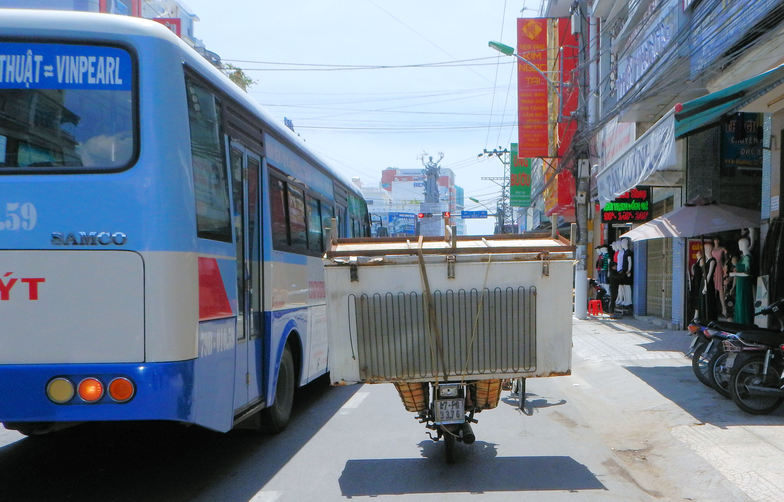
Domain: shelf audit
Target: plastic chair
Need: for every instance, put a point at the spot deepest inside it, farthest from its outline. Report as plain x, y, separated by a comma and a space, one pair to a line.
595, 307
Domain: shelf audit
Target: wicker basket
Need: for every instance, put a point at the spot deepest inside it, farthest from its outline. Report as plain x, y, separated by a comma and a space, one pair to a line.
413, 394
488, 392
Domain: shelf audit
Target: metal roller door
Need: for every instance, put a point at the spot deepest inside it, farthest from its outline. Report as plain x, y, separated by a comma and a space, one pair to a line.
659, 301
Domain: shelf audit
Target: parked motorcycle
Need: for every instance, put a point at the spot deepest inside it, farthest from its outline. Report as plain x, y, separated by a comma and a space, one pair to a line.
707, 351
697, 350
711, 360
755, 363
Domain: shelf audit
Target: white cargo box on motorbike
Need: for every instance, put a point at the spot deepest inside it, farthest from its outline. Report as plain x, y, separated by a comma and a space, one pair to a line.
471, 308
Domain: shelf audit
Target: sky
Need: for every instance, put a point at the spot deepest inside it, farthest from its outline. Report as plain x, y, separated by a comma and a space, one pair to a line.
453, 95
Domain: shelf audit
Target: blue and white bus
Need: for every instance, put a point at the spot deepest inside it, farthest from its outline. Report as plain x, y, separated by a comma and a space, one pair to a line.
160, 234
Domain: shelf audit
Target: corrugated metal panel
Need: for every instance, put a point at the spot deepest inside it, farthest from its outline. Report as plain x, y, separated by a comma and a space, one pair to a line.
487, 332
640, 287
655, 272
659, 289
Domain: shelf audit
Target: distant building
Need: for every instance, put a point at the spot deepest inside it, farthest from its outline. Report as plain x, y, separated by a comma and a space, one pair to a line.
173, 14
122, 7
406, 191
179, 18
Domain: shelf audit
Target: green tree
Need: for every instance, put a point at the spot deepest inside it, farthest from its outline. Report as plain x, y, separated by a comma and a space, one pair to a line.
238, 76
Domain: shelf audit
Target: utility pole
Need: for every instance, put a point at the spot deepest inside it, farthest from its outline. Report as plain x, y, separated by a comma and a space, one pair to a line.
503, 209
582, 174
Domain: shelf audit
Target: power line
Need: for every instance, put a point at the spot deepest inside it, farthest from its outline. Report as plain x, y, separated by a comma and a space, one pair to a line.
495, 79
377, 67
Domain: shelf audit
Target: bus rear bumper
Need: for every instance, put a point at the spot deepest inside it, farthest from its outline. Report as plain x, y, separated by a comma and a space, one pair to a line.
163, 391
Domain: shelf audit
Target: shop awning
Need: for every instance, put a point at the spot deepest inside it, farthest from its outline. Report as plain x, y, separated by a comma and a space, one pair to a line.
651, 159
710, 108
652, 155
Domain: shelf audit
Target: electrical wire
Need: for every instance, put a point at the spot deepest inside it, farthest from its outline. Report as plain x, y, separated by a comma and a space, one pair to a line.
495, 78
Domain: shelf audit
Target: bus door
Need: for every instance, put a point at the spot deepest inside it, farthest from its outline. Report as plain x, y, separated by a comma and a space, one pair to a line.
245, 169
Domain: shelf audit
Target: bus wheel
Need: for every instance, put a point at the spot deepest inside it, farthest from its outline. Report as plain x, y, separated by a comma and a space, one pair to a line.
276, 417
30, 428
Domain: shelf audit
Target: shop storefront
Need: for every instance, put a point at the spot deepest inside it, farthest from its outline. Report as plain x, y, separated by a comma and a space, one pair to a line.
716, 147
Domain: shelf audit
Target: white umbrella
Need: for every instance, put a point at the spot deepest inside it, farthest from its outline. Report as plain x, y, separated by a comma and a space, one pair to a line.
696, 218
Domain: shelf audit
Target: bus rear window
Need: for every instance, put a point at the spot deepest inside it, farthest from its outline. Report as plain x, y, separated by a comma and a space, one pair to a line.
65, 107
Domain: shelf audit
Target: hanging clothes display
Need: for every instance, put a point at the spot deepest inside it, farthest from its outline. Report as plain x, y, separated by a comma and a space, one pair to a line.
709, 301
744, 295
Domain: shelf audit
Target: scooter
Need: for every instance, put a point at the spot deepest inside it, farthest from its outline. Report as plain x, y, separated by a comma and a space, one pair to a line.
744, 362
450, 414
449, 408
710, 361
755, 363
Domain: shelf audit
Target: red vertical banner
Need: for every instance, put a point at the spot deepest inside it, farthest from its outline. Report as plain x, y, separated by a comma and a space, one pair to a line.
567, 43
532, 88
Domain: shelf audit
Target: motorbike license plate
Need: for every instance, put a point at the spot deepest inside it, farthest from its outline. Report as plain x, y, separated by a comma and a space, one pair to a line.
450, 411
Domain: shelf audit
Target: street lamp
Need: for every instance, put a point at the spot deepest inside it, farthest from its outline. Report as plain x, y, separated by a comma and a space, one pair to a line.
509, 51
580, 271
557, 86
500, 213
473, 199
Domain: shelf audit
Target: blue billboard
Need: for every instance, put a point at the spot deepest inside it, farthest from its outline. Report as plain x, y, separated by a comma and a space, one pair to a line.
402, 224
62, 66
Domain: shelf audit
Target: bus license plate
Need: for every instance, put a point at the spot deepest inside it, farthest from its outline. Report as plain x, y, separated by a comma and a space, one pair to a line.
450, 411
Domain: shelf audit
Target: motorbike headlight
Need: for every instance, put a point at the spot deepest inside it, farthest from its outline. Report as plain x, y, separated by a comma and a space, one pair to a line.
448, 390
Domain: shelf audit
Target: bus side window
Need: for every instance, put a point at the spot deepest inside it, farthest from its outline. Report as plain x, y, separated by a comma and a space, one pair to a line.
210, 182
327, 214
277, 198
297, 225
342, 222
314, 225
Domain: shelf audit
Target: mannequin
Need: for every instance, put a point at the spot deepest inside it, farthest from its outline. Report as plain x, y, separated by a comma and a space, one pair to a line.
744, 295
615, 276
720, 253
708, 309
627, 277
695, 287
602, 266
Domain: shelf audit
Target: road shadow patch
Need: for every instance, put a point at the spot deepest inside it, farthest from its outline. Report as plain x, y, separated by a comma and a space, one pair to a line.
530, 403
431, 474
171, 462
679, 385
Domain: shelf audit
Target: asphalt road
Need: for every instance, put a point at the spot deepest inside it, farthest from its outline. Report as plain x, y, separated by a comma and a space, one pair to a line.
631, 423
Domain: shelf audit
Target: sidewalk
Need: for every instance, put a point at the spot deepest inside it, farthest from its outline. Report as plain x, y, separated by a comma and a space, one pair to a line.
747, 450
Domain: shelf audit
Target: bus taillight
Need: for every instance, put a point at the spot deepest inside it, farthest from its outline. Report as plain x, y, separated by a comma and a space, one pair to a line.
121, 389
90, 390
60, 390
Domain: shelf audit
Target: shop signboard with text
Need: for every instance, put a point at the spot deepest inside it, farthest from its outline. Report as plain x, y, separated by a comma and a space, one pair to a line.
520, 180
548, 45
532, 88
633, 206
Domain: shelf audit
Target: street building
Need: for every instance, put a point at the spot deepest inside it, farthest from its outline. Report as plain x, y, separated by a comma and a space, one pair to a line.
173, 14
681, 102
399, 203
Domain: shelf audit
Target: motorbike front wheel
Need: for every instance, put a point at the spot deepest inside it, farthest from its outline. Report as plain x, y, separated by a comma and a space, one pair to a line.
750, 372
700, 362
449, 446
719, 374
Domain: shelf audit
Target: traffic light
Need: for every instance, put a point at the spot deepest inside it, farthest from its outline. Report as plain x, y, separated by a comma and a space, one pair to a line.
424, 215
446, 214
